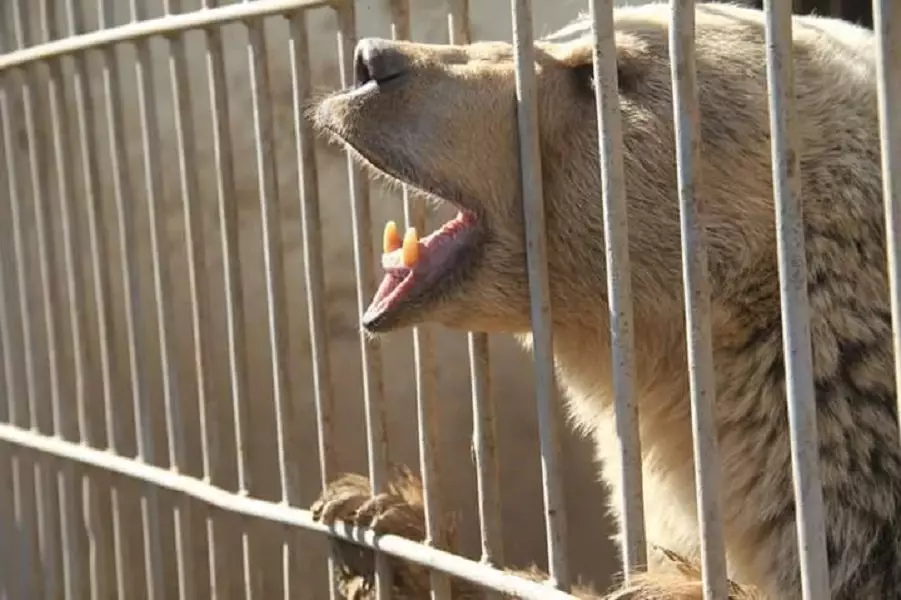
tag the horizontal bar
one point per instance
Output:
(397, 546)
(162, 26)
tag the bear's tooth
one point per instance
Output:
(391, 238)
(411, 248)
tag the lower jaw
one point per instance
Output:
(422, 287)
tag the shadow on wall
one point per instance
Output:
(592, 555)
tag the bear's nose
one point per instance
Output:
(378, 59)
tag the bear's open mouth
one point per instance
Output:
(418, 270)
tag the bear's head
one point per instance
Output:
(443, 120)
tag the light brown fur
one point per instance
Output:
(449, 128)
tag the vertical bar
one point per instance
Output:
(619, 286)
(122, 185)
(23, 533)
(458, 26)
(364, 269)
(484, 431)
(153, 184)
(65, 420)
(542, 332)
(87, 126)
(63, 130)
(270, 208)
(695, 280)
(49, 536)
(231, 266)
(424, 371)
(28, 515)
(61, 422)
(314, 276)
(8, 567)
(793, 293)
(887, 26)
(23, 520)
(197, 284)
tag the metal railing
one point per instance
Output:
(44, 328)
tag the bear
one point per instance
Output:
(441, 119)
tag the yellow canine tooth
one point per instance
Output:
(411, 248)
(391, 238)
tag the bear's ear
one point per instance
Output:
(626, 77)
(630, 64)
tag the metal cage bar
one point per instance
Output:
(314, 271)
(28, 511)
(122, 186)
(49, 522)
(484, 430)
(423, 368)
(231, 271)
(271, 208)
(696, 283)
(619, 285)
(887, 27)
(539, 291)
(29, 437)
(87, 126)
(153, 183)
(198, 291)
(13, 373)
(794, 302)
(370, 350)
(399, 547)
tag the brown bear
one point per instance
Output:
(442, 120)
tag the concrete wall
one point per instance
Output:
(589, 549)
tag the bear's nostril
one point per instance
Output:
(379, 60)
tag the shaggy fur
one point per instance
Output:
(448, 127)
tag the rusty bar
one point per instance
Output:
(539, 290)
(424, 369)
(887, 26)
(364, 269)
(696, 282)
(619, 285)
(795, 309)
(153, 185)
(314, 262)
